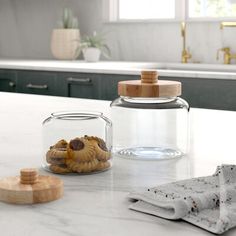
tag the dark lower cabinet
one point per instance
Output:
(79, 85)
(109, 85)
(199, 92)
(35, 82)
(7, 81)
(208, 93)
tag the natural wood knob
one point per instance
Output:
(149, 76)
(28, 176)
(30, 188)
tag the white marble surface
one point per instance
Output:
(97, 204)
(191, 70)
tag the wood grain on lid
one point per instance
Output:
(149, 86)
(29, 188)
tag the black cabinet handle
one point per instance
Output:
(79, 80)
(37, 86)
(12, 84)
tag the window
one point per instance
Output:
(211, 8)
(148, 10)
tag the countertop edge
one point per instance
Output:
(59, 67)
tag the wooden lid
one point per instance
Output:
(29, 188)
(149, 86)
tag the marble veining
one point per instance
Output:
(98, 204)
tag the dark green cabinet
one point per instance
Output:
(35, 82)
(109, 85)
(80, 85)
(199, 92)
(208, 93)
(7, 81)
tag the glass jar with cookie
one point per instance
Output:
(77, 142)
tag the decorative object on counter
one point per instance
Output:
(66, 39)
(150, 121)
(185, 54)
(88, 145)
(208, 202)
(93, 46)
(30, 188)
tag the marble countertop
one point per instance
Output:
(190, 70)
(97, 204)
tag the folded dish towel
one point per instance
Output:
(208, 202)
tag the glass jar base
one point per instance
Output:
(46, 167)
(150, 153)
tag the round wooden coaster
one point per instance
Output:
(37, 190)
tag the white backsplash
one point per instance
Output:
(26, 27)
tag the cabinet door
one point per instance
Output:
(109, 84)
(35, 82)
(80, 85)
(208, 93)
(7, 81)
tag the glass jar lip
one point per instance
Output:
(76, 113)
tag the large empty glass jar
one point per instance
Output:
(77, 142)
(150, 121)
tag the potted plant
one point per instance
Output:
(66, 38)
(93, 46)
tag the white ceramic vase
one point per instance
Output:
(91, 54)
(65, 43)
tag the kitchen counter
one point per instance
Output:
(97, 204)
(190, 70)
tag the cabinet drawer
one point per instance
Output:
(7, 81)
(36, 83)
(80, 85)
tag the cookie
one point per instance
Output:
(102, 153)
(81, 150)
(59, 169)
(82, 167)
(60, 144)
(103, 165)
(56, 156)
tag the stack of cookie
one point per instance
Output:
(80, 155)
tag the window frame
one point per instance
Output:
(111, 14)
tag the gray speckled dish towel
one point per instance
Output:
(208, 202)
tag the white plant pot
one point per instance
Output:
(91, 54)
(65, 43)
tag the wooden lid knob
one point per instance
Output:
(28, 176)
(30, 188)
(149, 76)
(149, 86)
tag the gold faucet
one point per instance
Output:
(185, 54)
(227, 55)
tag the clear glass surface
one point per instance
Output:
(68, 126)
(150, 128)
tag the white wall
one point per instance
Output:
(26, 25)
